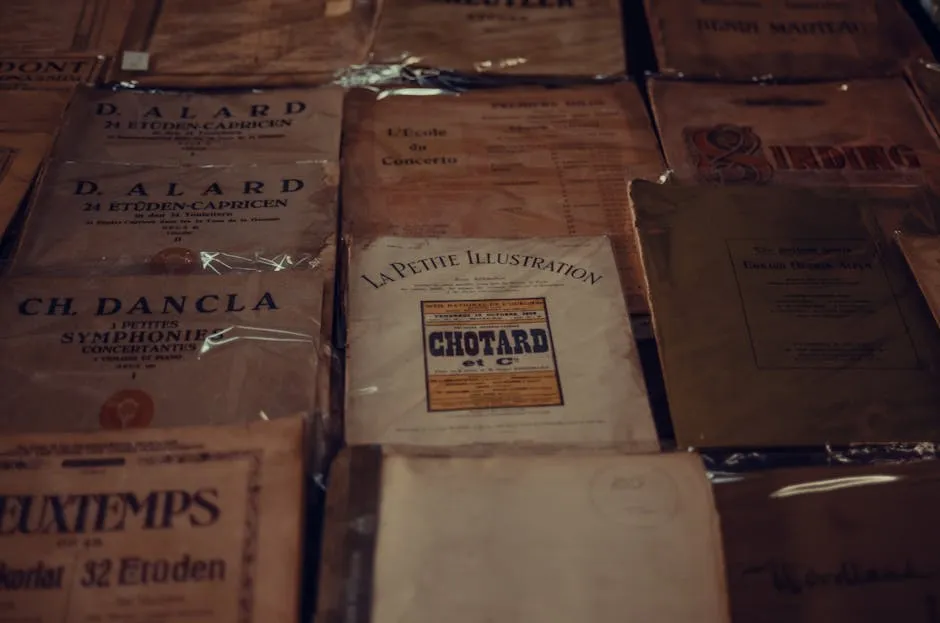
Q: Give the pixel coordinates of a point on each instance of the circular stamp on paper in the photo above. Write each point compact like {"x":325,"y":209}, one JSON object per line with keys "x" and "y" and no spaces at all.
{"x":635,"y":496}
{"x":128,"y":408}
{"x":174,"y":261}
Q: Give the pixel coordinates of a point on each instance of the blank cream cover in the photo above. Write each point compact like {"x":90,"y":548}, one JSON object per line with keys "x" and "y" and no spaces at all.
{"x":477,"y":341}
{"x":602,"y":538}
{"x":198,"y":524}
{"x":56,"y":73}
{"x":782,"y":39}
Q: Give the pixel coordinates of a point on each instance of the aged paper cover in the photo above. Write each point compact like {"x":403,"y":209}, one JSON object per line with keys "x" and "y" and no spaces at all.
{"x":859,"y":133}
{"x":456,"y":342}
{"x":520,"y":37}
{"x":923,"y":256}
{"x":90,"y":218}
{"x":196,"y":524}
{"x":52,"y":27}
{"x":523,"y":538}
{"x":50,"y":72}
{"x":246,"y":42}
{"x":106,"y":219}
{"x":21,"y":156}
{"x":131,"y":352}
{"x":32,"y":110}
{"x":833,"y":544}
{"x":517,"y":162}
{"x":795,"y":321}
{"x":787,"y":39}
{"x":172,"y":129}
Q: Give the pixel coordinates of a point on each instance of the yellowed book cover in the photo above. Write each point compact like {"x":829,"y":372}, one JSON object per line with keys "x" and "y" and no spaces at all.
{"x":855,"y":133}
{"x":109,"y":219}
{"x":174,"y":129}
{"x":500,"y":163}
{"x":33,"y":111}
{"x":795,"y":321}
{"x":38,"y":28}
{"x":243,"y":42}
{"x":201,"y":524}
{"x":461,"y":342}
{"x":158,"y":351}
{"x":517,"y":539}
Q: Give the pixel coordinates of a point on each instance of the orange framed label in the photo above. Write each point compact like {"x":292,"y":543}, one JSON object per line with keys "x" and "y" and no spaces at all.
{"x":490,"y":353}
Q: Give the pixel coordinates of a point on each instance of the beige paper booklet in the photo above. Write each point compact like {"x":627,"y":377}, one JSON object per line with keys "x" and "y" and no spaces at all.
{"x":243,"y":42}
{"x":923,"y":256}
{"x":501,"y":163}
{"x":521,"y":539}
{"x":196,"y":524}
{"x":128,"y":352}
{"x":21,"y":156}
{"x":833,"y":544}
{"x":788,"y":317}
{"x":456,"y":342}
{"x":774,"y":39}
{"x":172,"y":129}
{"x":119,"y":219}
{"x":36,"y":28}
{"x":859,"y":133}
{"x":518,"y":37}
